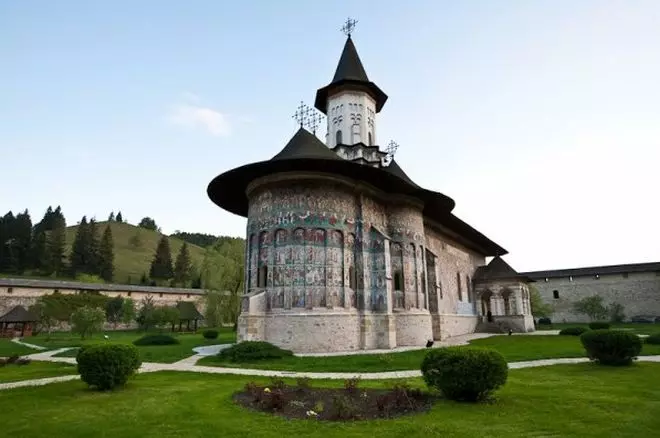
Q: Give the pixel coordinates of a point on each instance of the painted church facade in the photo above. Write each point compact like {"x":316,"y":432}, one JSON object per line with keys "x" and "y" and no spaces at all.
{"x":345,"y":252}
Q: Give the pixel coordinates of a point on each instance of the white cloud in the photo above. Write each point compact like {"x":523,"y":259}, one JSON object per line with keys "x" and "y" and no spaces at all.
{"x":195,"y":116}
{"x":190,"y":97}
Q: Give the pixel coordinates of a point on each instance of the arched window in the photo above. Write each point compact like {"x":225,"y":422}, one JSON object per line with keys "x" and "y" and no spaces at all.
{"x":263,"y":274}
{"x":398,"y":284}
{"x":338,"y":139}
{"x":371,"y":139}
{"x":468,"y":288}
{"x":458,"y":285}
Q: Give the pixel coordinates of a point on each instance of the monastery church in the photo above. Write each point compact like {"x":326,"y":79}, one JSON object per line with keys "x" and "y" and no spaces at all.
{"x":345,"y":252}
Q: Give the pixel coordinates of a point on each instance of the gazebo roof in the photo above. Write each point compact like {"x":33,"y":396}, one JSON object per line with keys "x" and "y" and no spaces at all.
{"x":18,"y":314}
{"x":188,"y":311}
{"x":498,"y":269}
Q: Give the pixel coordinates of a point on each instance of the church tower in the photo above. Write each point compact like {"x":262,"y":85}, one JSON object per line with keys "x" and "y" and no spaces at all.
{"x":350,"y":103}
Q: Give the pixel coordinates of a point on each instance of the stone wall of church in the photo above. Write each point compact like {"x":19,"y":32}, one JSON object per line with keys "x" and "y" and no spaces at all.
{"x":639,"y":293}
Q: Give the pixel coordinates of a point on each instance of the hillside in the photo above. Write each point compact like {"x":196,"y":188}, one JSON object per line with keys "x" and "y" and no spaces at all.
{"x":135,"y":248}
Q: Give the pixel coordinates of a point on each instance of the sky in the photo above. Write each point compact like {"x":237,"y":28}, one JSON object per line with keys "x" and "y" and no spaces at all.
{"x":541,"y":119}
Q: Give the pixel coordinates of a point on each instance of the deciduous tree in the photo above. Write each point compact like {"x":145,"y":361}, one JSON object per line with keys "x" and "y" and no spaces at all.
{"x":87,"y":320}
{"x":591,"y":306}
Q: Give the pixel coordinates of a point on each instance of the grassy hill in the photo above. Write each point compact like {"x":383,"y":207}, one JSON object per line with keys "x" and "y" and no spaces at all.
{"x":135,"y":248}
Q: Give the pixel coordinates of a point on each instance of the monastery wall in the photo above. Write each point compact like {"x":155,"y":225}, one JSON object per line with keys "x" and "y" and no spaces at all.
{"x":639,"y":293}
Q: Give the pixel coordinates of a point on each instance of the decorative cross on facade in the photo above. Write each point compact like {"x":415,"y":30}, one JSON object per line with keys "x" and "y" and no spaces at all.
{"x":300,"y":115}
{"x":349,"y":26}
{"x":313,"y":119}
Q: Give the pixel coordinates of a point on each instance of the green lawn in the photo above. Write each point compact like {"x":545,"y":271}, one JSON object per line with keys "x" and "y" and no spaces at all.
{"x":9,"y":348}
{"x":640,"y":329}
{"x":160,"y":353}
{"x":35,"y":370}
{"x":582,"y":400}
{"x":514,"y":348}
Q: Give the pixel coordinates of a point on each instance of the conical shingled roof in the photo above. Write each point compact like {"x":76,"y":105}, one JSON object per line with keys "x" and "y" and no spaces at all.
{"x":18,"y":314}
{"x":498,"y":269}
{"x":304,"y":144}
{"x":350,"y":75}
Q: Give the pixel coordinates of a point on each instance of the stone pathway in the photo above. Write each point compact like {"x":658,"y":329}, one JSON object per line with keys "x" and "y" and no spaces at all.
{"x":35,"y":347}
{"x":210,"y":350}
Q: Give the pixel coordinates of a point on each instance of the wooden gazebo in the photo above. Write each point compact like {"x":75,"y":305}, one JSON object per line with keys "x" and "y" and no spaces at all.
{"x":18,"y":322}
{"x":188,"y":314}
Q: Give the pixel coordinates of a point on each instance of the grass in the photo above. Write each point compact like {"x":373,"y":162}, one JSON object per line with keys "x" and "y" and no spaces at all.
{"x":35,"y":370}
{"x":640,"y":329}
{"x":150,"y":353}
{"x":514,"y":348}
{"x":582,"y":400}
{"x":9,"y":348}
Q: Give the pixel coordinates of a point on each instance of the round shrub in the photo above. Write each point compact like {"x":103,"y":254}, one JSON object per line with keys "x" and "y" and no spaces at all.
{"x":249,"y":351}
{"x":106,"y":366}
{"x":599,"y":325}
{"x":653,"y":339}
{"x":573,"y":331}
{"x":465,"y":373}
{"x":545,"y":321}
{"x":611,"y":347}
{"x":156,"y":340}
{"x":210,"y":334}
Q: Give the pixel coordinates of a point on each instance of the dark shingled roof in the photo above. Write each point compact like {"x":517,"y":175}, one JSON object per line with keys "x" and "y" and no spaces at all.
{"x":18,"y":314}
{"x":596,"y":270}
{"x":304,"y":144}
{"x":350,"y":75}
{"x":74,"y":285}
{"x":498,"y":269}
{"x":188,"y":311}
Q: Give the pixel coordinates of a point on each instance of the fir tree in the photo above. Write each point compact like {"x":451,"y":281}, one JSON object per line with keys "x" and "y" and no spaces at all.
{"x":111,"y":218}
{"x":119,"y":218}
{"x":38,"y":250}
{"x":182,"y":267}
{"x":22,"y":241}
{"x":144,"y":280}
{"x":55,"y":249}
{"x":8,"y":260}
{"x":94,"y":249}
{"x":79,"y":258}
{"x":107,"y":256}
{"x":161,"y":265}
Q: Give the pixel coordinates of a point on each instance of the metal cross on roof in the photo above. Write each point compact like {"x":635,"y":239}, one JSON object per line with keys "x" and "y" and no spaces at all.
{"x":301,"y":113}
{"x":391,"y":148}
{"x":313,"y":119}
{"x":349,"y":26}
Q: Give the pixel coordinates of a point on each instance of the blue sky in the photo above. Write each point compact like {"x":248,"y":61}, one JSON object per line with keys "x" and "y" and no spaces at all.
{"x":541,"y":119}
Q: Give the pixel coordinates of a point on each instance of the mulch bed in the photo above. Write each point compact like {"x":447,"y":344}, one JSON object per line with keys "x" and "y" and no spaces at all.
{"x":333,"y":404}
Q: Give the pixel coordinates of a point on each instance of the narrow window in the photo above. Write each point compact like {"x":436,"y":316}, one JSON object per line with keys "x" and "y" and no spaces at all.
{"x":352,"y":278}
{"x":10,"y":290}
{"x":625,"y":275}
{"x":338,"y":137}
{"x":546,"y":279}
{"x":397,"y":280}
{"x":263,"y":273}
{"x":597,"y":276}
{"x":371,"y":140}
{"x":458,"y":285}
{"x":160,"y":295}
{"x":468,"y":288}
{"x":555,"y":294}
{"x":570,"y":278}
{"x":129,"y":294}
{"x":187,"y":295}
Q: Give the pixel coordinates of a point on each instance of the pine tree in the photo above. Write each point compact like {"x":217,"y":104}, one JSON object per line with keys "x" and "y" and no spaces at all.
{"x":8,"y":260}
{"x":38,"y":250}
{"x":111,"y":218}
{"x":107,"y":256}
{"x":79,"y":257}
{"x":55,"y":249}
{"x":94,"y":249}
{"x":144,"y":280}
{"x":183,"y":266}
{"x":161,"y":265}
{"x":119,"y":218}
{"x":22,"y":243}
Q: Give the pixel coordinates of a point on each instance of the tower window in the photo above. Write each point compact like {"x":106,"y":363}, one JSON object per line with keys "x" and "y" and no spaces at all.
{"x":397,"y":280}
{"x":262,"y":274}
{"x":371,"y":139}
{"x":338,"y":137}
{"x":555,"y":294}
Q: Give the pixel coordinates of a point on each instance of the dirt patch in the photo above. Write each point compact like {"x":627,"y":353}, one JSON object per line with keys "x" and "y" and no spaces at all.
{"x":333,"y":404}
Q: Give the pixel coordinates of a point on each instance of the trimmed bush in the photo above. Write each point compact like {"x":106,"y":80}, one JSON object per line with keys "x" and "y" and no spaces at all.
{"x":106,"y":366}
{"x":465,"y":373}
{"x":210,"y":334}
{"x":545,"y":321}
{"x":156,"y":340}
{"x":653,"y":339}
{"x":249,"y":351}
{"x":611,"y":347}
{"x":573,"y":331}
{"x":599,"y":325}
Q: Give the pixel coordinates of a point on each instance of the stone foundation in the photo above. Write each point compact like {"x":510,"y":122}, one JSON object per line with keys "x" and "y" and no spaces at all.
{"x":518,"y":323}
{"x":455,"y":325}
{"x":413,"y":328}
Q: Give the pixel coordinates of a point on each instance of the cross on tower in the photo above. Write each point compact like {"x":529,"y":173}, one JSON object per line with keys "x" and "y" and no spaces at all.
{"x":300,"y":115}
{"x":313,"y":119}
{"x":391,"y":149}
{"x":348,"y":26}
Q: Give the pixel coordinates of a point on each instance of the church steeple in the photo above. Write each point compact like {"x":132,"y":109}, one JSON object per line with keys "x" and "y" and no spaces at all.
{"x":351,"y":100}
